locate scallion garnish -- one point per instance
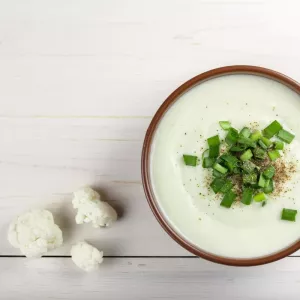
(246, 155)
(278, 145)
(225, 124)
(289, 214)
(272, 129)
(246, 166)
(214, 146)
(269, 172)
(286, 136)
(232, 136)
(228, 199)
(220, 168)
(208, 162)
(190, 160)
(247, 196)
(259, 197)
(274, 154)
(245, 132)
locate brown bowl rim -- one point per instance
(145, 162)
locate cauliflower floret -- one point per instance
(86, 257)
(90, 208)
(35, 233)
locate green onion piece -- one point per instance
(263, 203)
(227, 186)
(205, 153)
(246, 141)
(246, 155)
(237, 170)
(289, 214)
(213, 141)
(259, 153)
(279, 145)
(250, 178)
(230, 161)
(248, 166)
(269, 187)
(261, 181)
(238, 148)
(247, 196)
(274, 154)
(225, 124)
(214, 146)
(220, 168)
(208, 162)
(190, 160)
(272, 129)
(261, 144)
(217, 174)
(269, 172)
(266, 141)
(286, 136)
(245, 132)
(255, 136)
(214, 151)
(217, 184)
(232, 136)
(259, 197)
(228, 199)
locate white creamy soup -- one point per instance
(191, 209)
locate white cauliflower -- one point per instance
(35, 233)
(90, 208)
(86, 257)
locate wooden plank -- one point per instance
(147, 278)
(123, 58)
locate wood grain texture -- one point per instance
(144, 278)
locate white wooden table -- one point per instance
(79, 83)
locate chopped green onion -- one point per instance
(228, 199)
(225, 125)
(266, 142)
(274, 154)
(279, 145)
(269, 187)
(245, 132)
(220, 168)
(246, 141)
(205, 153)
(256, 135)
(259, 153)
(230, 161)
(269, 172)
(247, 196)
(248, 166)
(246, 155)
(272, 129)
(190, 160)
(261, 181)
(238, 148)
(286, 136)
(217, 184)
(232, 136)
(259, 197)
(208, 162)
(261, 144)
(289, 214)
(263, 203)
(226, 187)
(250, 178)
(214, 146)
(217, 174)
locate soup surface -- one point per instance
(181, 191)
